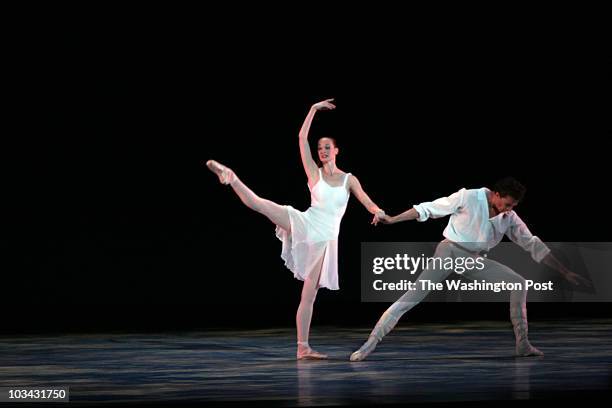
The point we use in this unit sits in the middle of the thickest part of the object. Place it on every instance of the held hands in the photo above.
(380, 216)
(324, 105)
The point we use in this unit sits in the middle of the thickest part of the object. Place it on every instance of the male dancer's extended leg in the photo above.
(391, 316)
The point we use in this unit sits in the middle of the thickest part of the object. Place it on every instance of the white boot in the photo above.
(365, 350)
(385, 324)
(518, 315)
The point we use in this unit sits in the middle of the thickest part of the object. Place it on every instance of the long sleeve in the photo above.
(520, 234)
(441, 207)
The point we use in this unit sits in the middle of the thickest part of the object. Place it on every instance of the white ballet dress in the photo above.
(314, 233)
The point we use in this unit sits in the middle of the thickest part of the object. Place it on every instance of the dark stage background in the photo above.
(112, 223)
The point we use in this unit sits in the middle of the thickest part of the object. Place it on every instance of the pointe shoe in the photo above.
(225, 174)
(309, 354)
(525, 349)
(365, 350)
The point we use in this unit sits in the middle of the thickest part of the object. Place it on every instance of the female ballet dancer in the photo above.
(309, 238)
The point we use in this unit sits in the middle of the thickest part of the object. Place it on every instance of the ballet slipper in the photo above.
(309, 353)
(225, 174)
(368, 347)
(385, 324)
(525, 349)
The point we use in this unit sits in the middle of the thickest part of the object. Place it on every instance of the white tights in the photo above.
(493, 272)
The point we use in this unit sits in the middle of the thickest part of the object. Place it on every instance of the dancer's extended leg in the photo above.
(276, 213)
(279, 215)
(391, 316)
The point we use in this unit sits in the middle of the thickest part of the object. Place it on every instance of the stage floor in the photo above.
(417, 363)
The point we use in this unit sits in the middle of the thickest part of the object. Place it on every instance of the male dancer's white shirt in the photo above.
(470, 225)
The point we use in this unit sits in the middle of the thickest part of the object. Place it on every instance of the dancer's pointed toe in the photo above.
(225, 174)
(365, 350)
(357, 356)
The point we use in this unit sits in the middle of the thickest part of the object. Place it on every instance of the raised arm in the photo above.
(310, 167)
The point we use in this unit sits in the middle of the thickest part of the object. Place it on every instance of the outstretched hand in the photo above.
(576, 279)
(324, 105)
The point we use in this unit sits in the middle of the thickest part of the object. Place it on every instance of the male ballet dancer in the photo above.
(479, 219)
